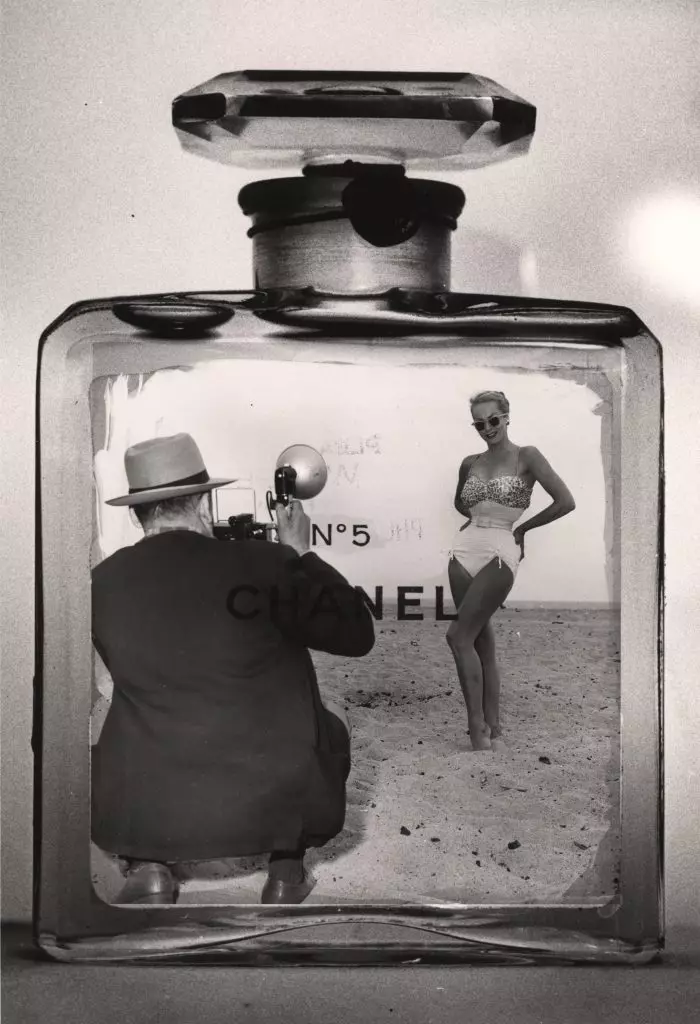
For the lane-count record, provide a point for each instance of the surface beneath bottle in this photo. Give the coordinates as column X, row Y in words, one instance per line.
column 323, row 941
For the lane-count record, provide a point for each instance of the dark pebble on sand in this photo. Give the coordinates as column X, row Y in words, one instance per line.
column 514, row 845
column 545, row 760
column 405, row 831
column 434, row 839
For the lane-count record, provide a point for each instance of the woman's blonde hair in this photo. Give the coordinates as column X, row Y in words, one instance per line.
column 491, row 396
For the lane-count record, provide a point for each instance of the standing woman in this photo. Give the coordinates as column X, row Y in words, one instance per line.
column 493, row 490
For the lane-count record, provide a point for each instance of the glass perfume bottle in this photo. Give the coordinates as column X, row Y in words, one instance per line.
column 352, row 342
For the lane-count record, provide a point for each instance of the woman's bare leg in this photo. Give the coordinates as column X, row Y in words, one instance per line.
column 470, row 637
column 485, row 645
column 460, row 581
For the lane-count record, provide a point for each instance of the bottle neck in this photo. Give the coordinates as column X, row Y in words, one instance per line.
column 332, row 258
column 350, row 231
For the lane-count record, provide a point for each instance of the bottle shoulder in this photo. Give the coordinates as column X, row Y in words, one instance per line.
column 200, row 315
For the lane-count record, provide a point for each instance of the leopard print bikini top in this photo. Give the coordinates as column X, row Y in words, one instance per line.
column 511, row 491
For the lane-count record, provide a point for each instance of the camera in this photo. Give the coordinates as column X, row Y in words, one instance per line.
column 301, row 472
column 244, row 527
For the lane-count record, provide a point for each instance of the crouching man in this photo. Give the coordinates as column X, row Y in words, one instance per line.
column 217, row 743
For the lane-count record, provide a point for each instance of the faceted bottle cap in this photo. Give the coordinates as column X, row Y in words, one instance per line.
column 421, row 120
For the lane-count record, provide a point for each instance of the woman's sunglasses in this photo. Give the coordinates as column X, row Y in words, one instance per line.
column 492, row 421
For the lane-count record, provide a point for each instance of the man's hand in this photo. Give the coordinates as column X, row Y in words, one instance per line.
column 294, row 526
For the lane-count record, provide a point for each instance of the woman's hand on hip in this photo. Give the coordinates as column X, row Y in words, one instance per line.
column 519, row 538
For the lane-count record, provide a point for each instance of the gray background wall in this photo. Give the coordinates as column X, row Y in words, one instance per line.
column 99, row 200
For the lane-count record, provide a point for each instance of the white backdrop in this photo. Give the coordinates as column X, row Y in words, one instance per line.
column 393, row 440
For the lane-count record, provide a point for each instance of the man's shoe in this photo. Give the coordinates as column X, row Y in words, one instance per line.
column 275, row 891
column 149, row 882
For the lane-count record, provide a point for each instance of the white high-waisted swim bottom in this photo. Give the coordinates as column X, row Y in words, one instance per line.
column 476, row 546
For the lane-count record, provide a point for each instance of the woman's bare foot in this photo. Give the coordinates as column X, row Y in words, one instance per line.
column 480, row 738
column 497, row 742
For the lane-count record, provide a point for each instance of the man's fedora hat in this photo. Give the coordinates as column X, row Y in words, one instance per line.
column 165, row 467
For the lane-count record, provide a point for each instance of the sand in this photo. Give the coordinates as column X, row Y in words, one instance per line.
column 430, row 820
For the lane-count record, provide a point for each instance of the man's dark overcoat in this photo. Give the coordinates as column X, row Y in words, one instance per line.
column 216, row 743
